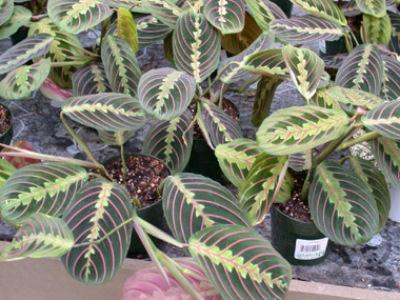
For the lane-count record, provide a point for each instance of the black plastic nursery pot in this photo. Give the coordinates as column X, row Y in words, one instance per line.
column 152, row 213
column 20, row 35
column 300, row 243
column 335, row 47
column 5, row 138
column 203, row 161
column 285, row 5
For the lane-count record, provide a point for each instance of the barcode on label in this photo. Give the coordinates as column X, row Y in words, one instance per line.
column 310, row 249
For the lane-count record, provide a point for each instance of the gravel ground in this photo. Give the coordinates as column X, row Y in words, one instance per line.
column 378, row 267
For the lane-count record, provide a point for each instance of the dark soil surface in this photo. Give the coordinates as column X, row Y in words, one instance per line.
column 5, row 120
column 227, row 107
column 143, row 178
column 295, row 207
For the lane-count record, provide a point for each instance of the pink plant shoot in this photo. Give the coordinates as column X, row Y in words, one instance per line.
column 148, row 284
column 52, row 91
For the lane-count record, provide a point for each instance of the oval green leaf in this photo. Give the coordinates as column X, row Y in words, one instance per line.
column 107, row 111
column 99, row 219
column 41, row 236
column 23, row 81
column 297, row 129
column 240, row 263
column 171, row 141
column 341, row 205
column 166, row 93
column 121, row 66
column 236, row 159
column 29, row 48
column 75, row 16
column 192, row 202
column 40, row 188
column 227, row 16
column 196, row 46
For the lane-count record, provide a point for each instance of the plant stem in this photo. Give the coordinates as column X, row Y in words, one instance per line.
column 154, row 231
column 332, row 146
column 364, row 138
column 123, row 161
column 68, row 63
column 82, row 144
column 18, row 152
column 38, row 17
column 221, row 95
column 306, row 186
column 151, row 249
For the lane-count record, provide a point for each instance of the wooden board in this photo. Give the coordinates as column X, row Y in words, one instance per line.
column 46, row 279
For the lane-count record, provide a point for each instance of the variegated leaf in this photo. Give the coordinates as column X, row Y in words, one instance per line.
column 240, row 263
column 265, row 92
column 341, row 205
column 301, row 161
column 391, row 70
column 40, row 236
column 297, row 129
column 75, row 16
column 256, row 194
column 192, row 202
column 323, row 98
column 6, row 10
column 167, row 11
column 264, row 11
column 325, row 9
column 376, row 30
column 90, row 80
column 305, row 68
column 351, row 99
column 21, row 82
column 225, row 15
column 29, row 48
column 40, row 188
column 376, row 8
column 107, row 111
column 236, row 159
column 268, row 62
column 216, row 125
column 21, row 17
column 231, row 69
column 306, row 29
column 171, row 141
column 387, row 156
column 121, row 66
column 151, row 30
column 377, row 185
column 65, row 47
column 127, row 29
column 99, row 219
column 384, row 119
column 117, row 138
column 6, row 169
column 362, row 69
column 196, row 46
column 166, row 93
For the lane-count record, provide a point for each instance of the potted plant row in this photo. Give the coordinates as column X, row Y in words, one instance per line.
column 85, row 211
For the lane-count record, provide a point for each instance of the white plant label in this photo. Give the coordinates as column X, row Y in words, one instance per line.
column 310, row 249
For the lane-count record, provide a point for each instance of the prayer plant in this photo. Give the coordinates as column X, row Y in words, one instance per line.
column 72, row 209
